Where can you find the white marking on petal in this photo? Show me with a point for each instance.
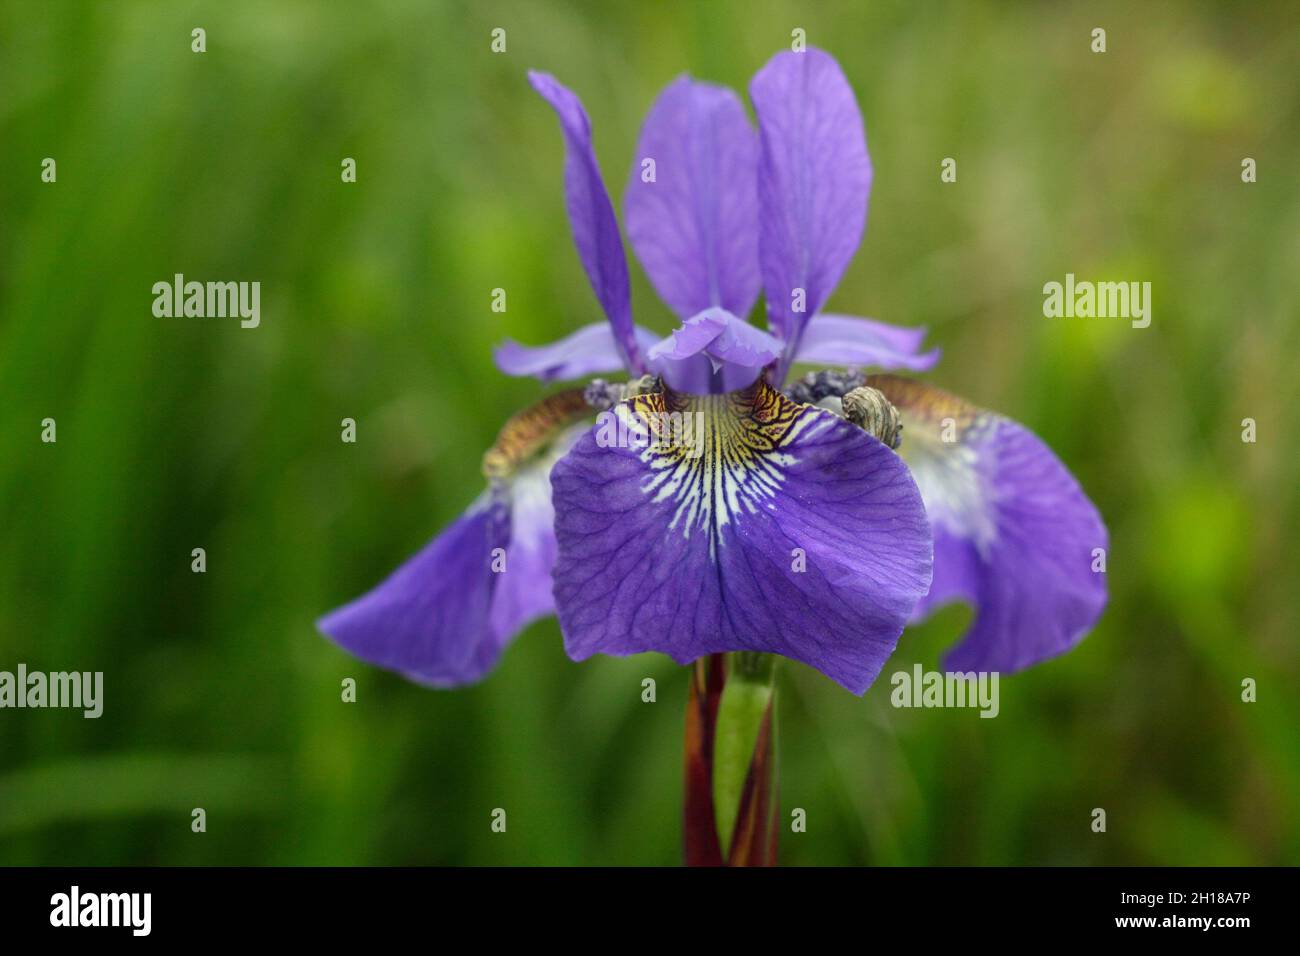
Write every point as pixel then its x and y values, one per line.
pixel 952 486
pixel 734 467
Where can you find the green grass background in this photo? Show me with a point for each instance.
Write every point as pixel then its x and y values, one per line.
pixel 176 434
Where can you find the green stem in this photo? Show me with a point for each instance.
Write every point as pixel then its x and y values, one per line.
pixel 746 700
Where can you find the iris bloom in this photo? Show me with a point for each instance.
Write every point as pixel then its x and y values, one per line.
pixel 791 529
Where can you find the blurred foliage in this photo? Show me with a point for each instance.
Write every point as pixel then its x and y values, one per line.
pixel 176 434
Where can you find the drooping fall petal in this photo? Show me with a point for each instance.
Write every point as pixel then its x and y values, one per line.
pixel 754 523
pixel 446 615
pixel 1014 534
pixel 430 620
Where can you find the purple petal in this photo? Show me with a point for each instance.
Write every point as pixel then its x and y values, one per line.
pixel 692 338
pixel 587 351
pixel 814 177
pixel 847 340
pixel 595 229
pixel 693 374
pixel 743 344
pixel 446 615
pixel 429 619
pixel 1014 533
pixel 523 591
pixel 695 227
pixel 784 529
pixel 736 352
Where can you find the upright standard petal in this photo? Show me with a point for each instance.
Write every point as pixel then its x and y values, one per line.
pixel 746 522
pixel 589 350
pixel 691 207
pixel 595 229
pixel 1014 534
pixel 847 340
pixel 813 180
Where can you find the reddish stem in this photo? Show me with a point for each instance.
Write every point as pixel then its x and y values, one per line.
pixel 755 836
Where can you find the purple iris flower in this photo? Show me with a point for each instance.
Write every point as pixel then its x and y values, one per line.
pixel 786 525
